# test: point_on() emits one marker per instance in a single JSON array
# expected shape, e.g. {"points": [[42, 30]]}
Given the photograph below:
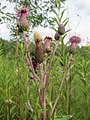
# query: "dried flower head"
{"points": [[48, 41], [61, 29], [37, 37], [39, 53]]}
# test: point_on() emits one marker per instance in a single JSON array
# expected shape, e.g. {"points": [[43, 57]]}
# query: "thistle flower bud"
{"points": [[37, 37], [61, 29], [48, 41], [56, 36]]}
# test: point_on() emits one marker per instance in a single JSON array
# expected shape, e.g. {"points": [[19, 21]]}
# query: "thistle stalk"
{"points": [[75, 95], [18, 68], [61, 85], [28, 58], [67, 95], [44, 93], [8, 111], [30, 65], [43, 103], [43, 88], [68, 90], [51, 60], [87, 110]]}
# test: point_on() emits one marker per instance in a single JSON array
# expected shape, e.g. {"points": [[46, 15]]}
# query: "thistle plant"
{"points": [[42, 77], [45, 80]]}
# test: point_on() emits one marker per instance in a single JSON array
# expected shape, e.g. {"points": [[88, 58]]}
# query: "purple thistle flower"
{"points": [[74, 40], [22, 15], [23, 11]]}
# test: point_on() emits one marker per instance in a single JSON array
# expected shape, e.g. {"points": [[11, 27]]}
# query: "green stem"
{"points": [[61, 85], [8, 112], [18, 68], [87, 109], [68, 93], [43, 104]]}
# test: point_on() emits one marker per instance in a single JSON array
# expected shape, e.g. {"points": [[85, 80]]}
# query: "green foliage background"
{"points": [[79, 85]]}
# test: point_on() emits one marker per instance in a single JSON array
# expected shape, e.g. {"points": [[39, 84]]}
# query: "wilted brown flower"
{"points": [[37, 37], [39, 53], [48, 41]]}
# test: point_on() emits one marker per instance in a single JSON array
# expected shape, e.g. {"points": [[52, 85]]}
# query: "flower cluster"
{"points": [[61, 31], [41, 48]]}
